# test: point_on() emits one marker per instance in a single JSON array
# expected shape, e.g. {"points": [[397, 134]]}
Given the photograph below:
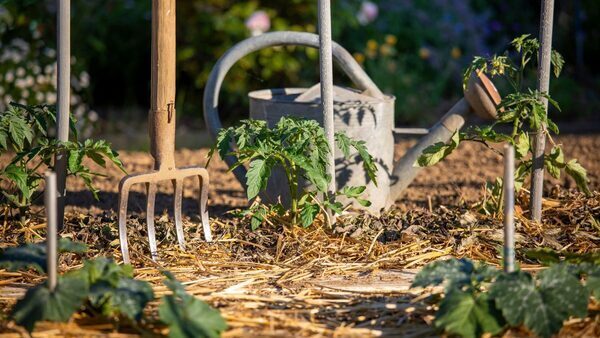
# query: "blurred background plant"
{"points": [[413, 49]]}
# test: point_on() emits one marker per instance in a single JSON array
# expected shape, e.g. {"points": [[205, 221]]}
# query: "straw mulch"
{"points": [[352, 280]]}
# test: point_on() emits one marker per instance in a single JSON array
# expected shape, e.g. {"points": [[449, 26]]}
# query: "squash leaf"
{"points": [[40, 304]]}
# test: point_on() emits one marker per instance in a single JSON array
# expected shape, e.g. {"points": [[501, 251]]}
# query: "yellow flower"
{"points": [[391, 39], [359, 57], [424, 53], [372, 45], [385, 50], [455, 52]]}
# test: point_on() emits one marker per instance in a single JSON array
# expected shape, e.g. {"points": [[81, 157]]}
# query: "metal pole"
{"points": [[63, 106], [537, 178], [51, 236], [509, 208], [326, 71]]}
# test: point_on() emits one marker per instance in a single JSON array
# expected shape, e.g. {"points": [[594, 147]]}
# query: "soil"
{"points": [[456, 181]]}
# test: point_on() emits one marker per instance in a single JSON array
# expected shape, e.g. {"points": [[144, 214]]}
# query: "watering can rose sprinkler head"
{"points": [[482, 95]]}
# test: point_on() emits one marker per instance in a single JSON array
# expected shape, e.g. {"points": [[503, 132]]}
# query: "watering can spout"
{"points": [[481, 97]]}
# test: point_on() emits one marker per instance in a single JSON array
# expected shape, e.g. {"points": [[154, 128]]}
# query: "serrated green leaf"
{"points": [[258, 217], [522, 145], [39, 304], [19, 177], [579, 174], [466, 315], [308, 214], [541, 308], [438, 151], [557, 62], [257, 176], [353, 191]]}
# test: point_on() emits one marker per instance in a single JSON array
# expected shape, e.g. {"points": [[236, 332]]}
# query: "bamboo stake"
{"points": [[537, 178], [509, 208], [63, 106], [326, 71], [51, 236]]}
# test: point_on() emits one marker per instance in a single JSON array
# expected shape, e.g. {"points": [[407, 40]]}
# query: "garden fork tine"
{"points": [[162, 138]]}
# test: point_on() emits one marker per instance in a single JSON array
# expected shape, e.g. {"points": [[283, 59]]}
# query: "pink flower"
{"points": [[368, 13], [258, 23]]}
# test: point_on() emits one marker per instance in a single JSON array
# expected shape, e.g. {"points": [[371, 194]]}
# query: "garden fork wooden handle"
{"points": [[162, 97]]}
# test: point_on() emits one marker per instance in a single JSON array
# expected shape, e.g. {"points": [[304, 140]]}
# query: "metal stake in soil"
{"points": [[326, 70], [62, 113], [509, 208], [537, 178], [51, 236]]}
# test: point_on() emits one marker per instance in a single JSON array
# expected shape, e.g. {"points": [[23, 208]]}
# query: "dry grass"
{"points": [[287, 281]]}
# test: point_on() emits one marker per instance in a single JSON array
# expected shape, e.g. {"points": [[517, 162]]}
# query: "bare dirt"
{"points": [[456, 181]]}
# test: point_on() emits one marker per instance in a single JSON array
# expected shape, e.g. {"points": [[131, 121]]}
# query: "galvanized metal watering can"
{"points": [[364, 113]]}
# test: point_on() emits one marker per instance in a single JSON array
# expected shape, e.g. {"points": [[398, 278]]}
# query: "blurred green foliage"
{"points": [[415, 50]]}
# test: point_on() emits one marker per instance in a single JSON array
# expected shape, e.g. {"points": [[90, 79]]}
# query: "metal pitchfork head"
{"points": [[162, 137]]}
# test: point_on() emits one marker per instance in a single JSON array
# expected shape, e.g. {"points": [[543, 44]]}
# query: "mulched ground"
{"points": [[349, 281]]}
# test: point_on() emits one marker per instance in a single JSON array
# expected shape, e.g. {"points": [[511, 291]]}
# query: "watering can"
{"points": [[364, 114]]}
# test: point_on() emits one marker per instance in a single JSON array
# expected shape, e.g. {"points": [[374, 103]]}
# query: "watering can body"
{"points": [[358, 115], [362, 114]]}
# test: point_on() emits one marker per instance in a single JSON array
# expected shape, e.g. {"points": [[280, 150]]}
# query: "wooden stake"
{"points": [[509, 208], [539, 144], [326, 68], [51, 236]]}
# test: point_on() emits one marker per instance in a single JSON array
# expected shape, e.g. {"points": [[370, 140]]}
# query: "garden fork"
{"points": [[162, 136]]}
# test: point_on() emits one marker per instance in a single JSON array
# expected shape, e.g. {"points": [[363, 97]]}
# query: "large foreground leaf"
{"points": [[187, 316], [40, 304], [467, 315], [541, 308]]}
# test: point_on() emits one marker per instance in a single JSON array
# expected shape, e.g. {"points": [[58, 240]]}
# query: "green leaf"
{"points": [[541, 308], [438, 151], [104, 269], [455, 273], [343, 142], [128, 297], [557, 62], [19, 176], [3, 140], [34, 255], [353, 191], [258, 217], [187, 316], [39, 304], [257, 176], [308, 214], [579, 174], [522, 145], [464, 314]]}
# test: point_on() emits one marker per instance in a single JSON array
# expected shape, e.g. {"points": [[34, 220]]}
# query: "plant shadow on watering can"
{"points": [[362, 114]]}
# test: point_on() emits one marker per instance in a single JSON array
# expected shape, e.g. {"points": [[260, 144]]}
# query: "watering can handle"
{"points": [[253, 44]]}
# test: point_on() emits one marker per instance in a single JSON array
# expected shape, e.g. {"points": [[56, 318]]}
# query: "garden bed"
{"points": [[349, 281]]}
